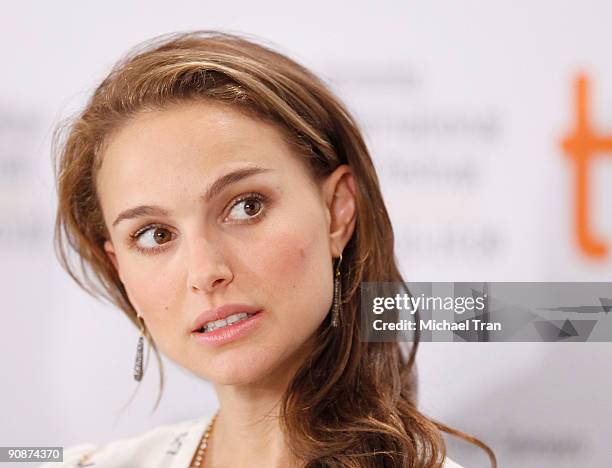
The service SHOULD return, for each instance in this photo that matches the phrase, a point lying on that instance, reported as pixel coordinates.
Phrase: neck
(247, 430)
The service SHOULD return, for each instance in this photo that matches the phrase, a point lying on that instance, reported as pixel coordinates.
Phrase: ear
(110, 252)
(339, 193)
(112, 255)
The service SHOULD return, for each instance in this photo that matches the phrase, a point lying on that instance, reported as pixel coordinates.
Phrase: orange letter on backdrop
(581, 146)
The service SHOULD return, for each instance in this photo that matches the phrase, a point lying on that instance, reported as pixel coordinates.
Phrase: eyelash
(242, 198)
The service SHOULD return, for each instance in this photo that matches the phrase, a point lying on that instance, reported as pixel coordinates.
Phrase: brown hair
(353, 403)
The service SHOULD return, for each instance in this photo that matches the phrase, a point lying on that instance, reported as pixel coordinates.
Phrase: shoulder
(169, 445)
(448, 463)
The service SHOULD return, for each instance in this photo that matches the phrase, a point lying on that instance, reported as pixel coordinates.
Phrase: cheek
(155, 297)
(296, 248)
(296, 270)
(288, 259)
(149, 292)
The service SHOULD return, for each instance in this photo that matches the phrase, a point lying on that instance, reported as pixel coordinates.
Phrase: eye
(151, 238)
(250, 204)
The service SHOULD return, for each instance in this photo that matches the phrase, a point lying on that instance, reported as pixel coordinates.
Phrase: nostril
(214, 284)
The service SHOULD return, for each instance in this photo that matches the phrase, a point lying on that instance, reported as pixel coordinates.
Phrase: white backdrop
(464, 106)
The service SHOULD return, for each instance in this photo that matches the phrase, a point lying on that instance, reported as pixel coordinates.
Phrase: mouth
(228, 322)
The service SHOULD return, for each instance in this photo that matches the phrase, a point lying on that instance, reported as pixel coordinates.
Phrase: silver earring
(138, 363)
(336, 306)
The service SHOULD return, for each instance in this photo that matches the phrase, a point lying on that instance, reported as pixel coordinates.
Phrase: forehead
(165, 157)
(195, 133)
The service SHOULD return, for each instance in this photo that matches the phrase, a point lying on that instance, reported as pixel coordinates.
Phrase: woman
(226, 202)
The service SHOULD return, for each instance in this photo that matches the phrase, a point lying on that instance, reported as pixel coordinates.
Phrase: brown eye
(252, 207)
(161, 235)
(152, 237)
(247, 208)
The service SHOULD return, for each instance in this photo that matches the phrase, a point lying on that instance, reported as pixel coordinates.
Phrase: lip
(221, 313)
(230, 333)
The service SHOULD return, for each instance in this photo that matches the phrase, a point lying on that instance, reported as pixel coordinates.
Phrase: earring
(138, 363)
(336, 306)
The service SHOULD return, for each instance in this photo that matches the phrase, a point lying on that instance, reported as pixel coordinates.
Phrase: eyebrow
(211, 191)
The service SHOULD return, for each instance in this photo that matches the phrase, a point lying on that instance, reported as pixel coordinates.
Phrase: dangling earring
(336, 306)
(138, 363)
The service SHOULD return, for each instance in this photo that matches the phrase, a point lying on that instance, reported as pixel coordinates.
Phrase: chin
(241, 369)
(244, 374)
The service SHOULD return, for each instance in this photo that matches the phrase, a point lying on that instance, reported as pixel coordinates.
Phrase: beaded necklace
(197, 462)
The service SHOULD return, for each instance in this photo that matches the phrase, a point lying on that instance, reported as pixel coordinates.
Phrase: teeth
(235, 318)
(219, 323)
(210, 326)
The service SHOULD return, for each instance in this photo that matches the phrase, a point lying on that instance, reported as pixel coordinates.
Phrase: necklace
(204, 444)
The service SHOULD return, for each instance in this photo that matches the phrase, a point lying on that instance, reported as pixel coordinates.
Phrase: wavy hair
(353, 403)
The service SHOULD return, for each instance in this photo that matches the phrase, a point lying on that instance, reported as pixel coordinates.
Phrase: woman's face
(265, 239)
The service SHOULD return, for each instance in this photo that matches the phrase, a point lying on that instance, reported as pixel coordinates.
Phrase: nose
(208, 268)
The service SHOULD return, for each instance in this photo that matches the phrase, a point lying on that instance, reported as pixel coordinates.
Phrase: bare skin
(217, 251)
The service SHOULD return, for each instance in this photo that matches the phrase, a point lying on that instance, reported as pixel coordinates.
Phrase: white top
(168, 446)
